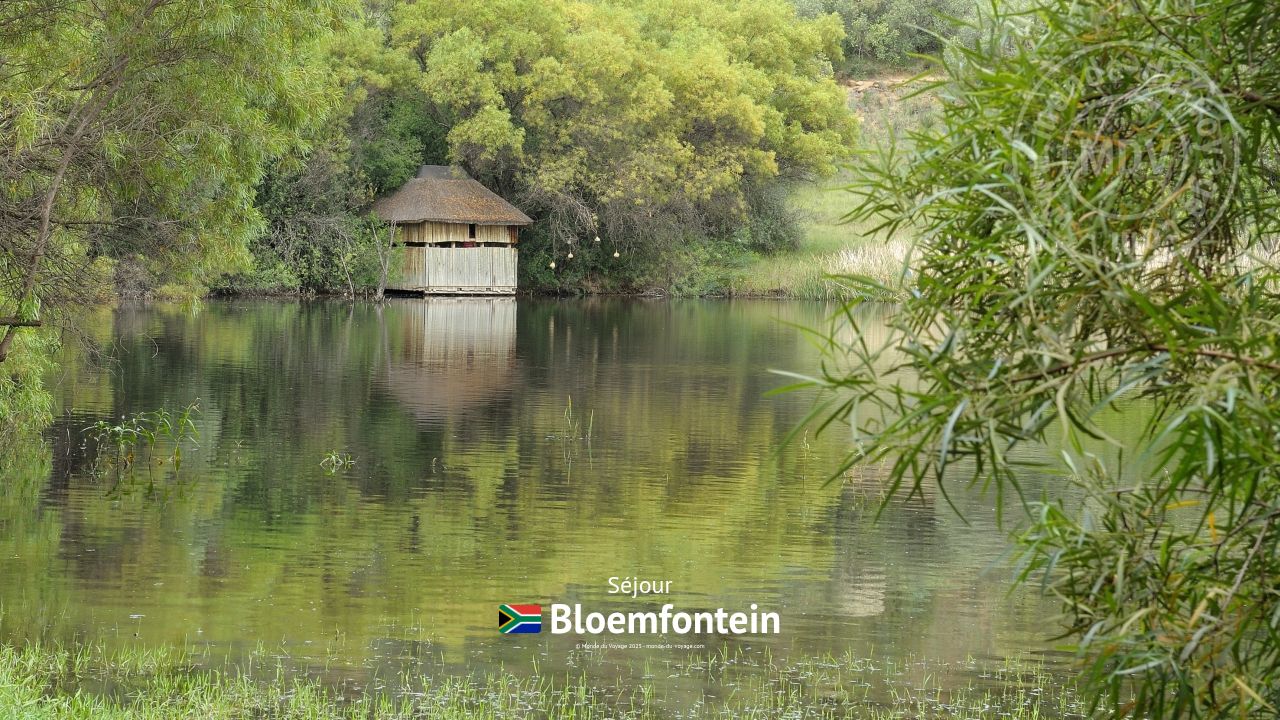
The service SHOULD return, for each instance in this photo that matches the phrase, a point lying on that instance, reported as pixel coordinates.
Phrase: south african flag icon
(519, 619)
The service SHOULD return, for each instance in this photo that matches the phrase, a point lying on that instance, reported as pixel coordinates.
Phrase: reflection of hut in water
(455, 354)
(457, 237)
(861, 592)
(859, 577)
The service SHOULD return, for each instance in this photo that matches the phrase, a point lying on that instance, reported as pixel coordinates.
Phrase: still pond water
(517, 452)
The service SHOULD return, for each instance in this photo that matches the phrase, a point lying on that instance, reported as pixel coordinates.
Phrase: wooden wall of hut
(461, 271)
(433, 233)
(436, 263)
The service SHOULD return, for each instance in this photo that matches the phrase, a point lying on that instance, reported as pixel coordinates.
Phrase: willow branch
(1153, 347)
(15, 322)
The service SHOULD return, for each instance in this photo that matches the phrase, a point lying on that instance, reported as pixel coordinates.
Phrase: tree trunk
(384, 263)
(90, 110)
(97, 96)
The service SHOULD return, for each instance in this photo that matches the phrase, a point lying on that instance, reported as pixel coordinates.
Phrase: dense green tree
(890, 31)
(137, 132)
(318, 235)
(1097, 217)
(646, 123)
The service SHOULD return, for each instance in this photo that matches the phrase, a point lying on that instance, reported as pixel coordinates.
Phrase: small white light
(552, 265)
(570, 256)
(615, 254)
(597, 238)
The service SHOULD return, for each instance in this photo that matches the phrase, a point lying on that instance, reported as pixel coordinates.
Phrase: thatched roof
(445, 194)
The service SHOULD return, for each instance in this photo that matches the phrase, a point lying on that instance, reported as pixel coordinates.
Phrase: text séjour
(635, 586)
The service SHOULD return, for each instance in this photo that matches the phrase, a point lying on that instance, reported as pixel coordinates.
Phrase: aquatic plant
(573, 424)
(574, 435)
(334, 461)
(122, 444)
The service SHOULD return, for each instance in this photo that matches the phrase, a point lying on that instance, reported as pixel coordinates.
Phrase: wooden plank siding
(433, 233)
(431, 266)
(459, 271)
(492, 234)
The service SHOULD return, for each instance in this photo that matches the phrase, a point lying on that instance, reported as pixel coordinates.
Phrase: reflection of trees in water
(72, 452)
(461, 494)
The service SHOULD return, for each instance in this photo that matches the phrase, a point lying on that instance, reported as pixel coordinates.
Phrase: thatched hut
(458, 237)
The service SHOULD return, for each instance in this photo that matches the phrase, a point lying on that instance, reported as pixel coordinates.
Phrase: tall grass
(831, 245)
(91, 684)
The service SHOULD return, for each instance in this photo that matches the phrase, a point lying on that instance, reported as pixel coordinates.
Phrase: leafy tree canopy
(890, 31)
(137, 131)
(641, 120)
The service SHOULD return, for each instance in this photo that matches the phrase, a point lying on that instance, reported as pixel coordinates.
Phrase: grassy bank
(830, 247)
(44, 684)
(886, 112)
